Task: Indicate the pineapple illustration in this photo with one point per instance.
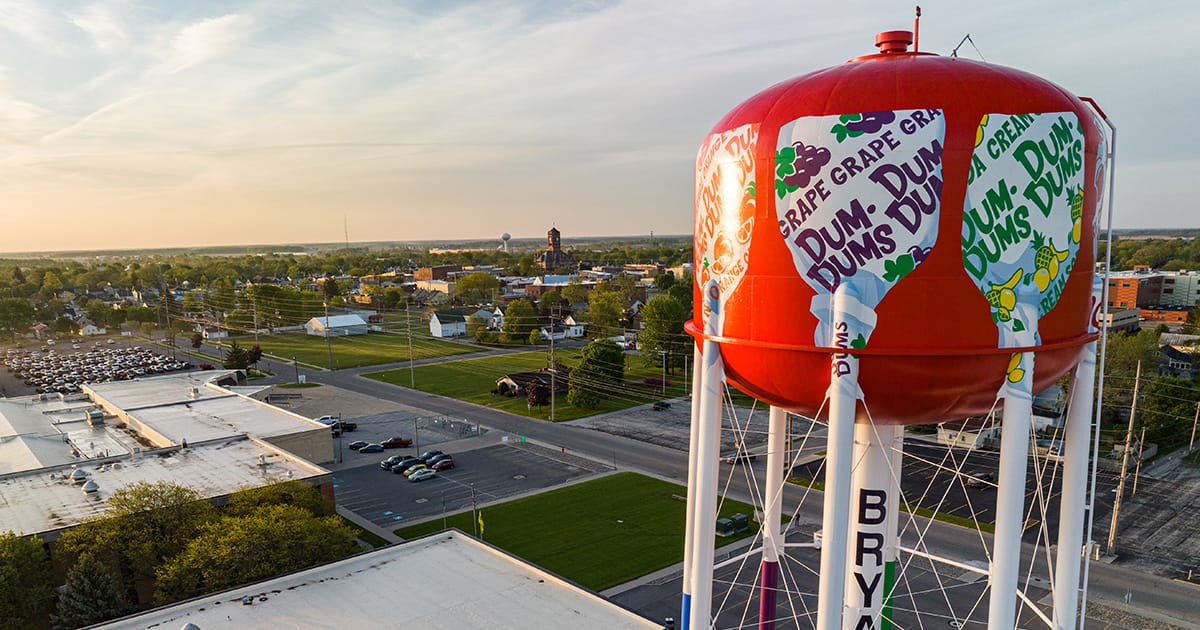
(979, 130)
(1015, 373)
(1046, 261)
(1003, 298)
(1077, 215)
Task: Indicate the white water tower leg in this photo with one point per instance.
(772, 531)
(693, 462)
(873, 527)
(835, 524)
(707, 468)
(1010, 497)
(1076, 449)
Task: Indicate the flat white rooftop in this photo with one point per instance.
(447, 580)
(47, 499)
(192, 406)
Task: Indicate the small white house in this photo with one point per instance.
(447, 323)
(88, 329)
(336, 326)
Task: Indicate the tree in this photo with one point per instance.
(1122, 354)
(662, 330)
(519, 319)
(601, 370)
(51, 281)
(535, 337)
(330, 288)
(1166, 409)
(683, 292)
(294, 493)
(269, 540)
(197, 340)
(16, 315)
(550, 302)
(575, 292)
(475, 323)
(26, 582)
(254, 355)
(236, 357)
(65, 326)
(604, 312)
(93, 594)
(537, 394)
(476, 287)
(145, 523)
(664, 281)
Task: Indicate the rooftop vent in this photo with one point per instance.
(91, 487)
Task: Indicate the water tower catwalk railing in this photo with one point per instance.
(948, 154)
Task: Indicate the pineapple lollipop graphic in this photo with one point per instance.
(1047, 261)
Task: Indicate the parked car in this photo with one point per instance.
(357, 444)
(437, 458)
(422, 475)
(405, 464)
(414, 468)
(428, 455)
(329, 420)
(371, 448)
(981, 479)
(442, 464)
(396, 442)
(346, 426)
(388, 463)
(660, 405)
(739, 456)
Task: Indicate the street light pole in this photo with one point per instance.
(416, 437)
(297, 366)
(553, 371)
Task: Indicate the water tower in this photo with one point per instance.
(888, 242)
(504, 238)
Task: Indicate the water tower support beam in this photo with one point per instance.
(777, 461)
(835, 524)
(1010, 496)
(693, 464)
(707, 470)
(1076, 450)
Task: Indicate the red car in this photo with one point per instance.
(396, 442)
(442, 464)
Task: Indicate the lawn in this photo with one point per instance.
(599, 533)
(472, 380)
(354, 350)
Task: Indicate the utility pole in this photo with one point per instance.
(1194, 420)
(416, 437)
(297, 366)
(254, 307)
(328, 343)
(1138, 471)
(1112, 528)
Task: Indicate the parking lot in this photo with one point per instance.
(64, 367)
(489, 473)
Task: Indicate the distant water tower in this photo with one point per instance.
(505, 237)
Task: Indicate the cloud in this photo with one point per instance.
(104, 25)
(207, 39)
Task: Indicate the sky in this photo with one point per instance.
(177, 123)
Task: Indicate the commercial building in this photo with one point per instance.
(62, 456)
(446, 580)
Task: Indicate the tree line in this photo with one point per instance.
(161, 543)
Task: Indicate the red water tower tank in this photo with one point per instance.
(947, 205)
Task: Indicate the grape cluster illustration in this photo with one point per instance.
(795, 166)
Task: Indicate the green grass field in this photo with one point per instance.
(354, 350)
(599, 533)
(472, 380)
